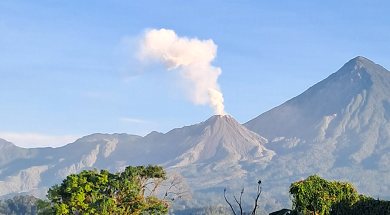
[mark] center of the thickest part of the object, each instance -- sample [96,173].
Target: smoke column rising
[193,59]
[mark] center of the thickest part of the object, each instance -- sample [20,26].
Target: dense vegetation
[135,191]
[365,206]
[316,195]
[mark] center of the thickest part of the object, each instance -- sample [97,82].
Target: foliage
[19,205]
[316,195]
[286,212]
[365,206]
[133,191]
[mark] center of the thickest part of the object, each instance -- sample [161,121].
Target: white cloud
[32,140]
[131,120]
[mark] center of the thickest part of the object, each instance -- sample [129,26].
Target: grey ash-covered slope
[29,170]
[215,145]
[218,139]
[339,128]
[207,153]
[216,151]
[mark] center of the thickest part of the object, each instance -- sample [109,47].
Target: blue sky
[65,71]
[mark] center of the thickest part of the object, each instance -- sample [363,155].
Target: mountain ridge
[219,142]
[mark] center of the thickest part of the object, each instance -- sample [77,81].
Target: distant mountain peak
[361,59]
[364,65]
[220,119]
[6,144]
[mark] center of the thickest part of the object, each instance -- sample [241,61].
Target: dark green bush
[365,206]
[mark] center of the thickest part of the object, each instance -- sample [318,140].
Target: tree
[316,195]
[25,205]
[239,203]
[133,191]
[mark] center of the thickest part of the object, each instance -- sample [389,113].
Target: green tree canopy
[132,191]
[316,195]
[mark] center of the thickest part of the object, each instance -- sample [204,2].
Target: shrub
[316,195]
[365,206]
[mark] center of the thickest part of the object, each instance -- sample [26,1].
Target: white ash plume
[193,59]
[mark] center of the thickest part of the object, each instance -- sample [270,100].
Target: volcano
[216,151]
[219,139]
[350,108]
[338,128]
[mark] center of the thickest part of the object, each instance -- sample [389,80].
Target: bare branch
[231,207]
[170,189]
[242,191]
[239,203]
[257,197]
[157,184]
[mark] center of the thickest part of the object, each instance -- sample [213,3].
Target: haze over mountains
[338,128]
